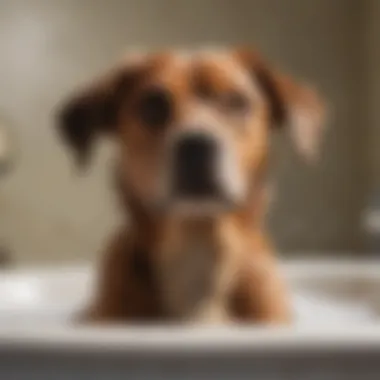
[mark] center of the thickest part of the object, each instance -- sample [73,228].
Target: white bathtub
[337,329]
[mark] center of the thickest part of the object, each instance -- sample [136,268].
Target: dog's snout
[194,163]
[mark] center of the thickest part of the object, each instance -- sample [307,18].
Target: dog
[192,132]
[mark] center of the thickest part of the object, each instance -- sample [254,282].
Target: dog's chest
[189,274]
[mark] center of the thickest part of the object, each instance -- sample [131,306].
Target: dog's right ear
[94,110]
[291,103]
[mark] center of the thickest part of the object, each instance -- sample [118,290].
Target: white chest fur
[190,279]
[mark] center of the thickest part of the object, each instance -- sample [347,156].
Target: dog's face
[192,128]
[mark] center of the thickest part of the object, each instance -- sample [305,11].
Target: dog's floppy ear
[293,104]
[94,109]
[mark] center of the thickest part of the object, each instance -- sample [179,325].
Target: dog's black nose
[194,166]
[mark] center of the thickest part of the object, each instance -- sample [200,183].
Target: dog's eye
[155,108]
[236,101]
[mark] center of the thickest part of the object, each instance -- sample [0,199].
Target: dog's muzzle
[203,172]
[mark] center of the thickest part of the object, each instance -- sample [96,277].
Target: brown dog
[192,129]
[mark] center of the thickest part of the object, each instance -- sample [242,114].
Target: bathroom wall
[374,89]
[50,214]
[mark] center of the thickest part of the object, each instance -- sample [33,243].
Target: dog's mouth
[204,198]
[199,196]
[196,207]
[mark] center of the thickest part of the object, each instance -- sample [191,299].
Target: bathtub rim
[164,339]
[299,268]
[161,340]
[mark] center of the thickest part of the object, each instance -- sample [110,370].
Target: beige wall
[47,46]
[374,89]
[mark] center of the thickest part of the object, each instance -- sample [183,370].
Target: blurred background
[50,214]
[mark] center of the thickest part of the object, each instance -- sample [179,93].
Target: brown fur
[213,270]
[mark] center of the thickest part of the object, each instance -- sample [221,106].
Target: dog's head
[192,128]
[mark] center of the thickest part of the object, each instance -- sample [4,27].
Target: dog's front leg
[123,292]
[261,295]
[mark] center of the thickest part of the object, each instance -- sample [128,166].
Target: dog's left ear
[293,104]
[94,109]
